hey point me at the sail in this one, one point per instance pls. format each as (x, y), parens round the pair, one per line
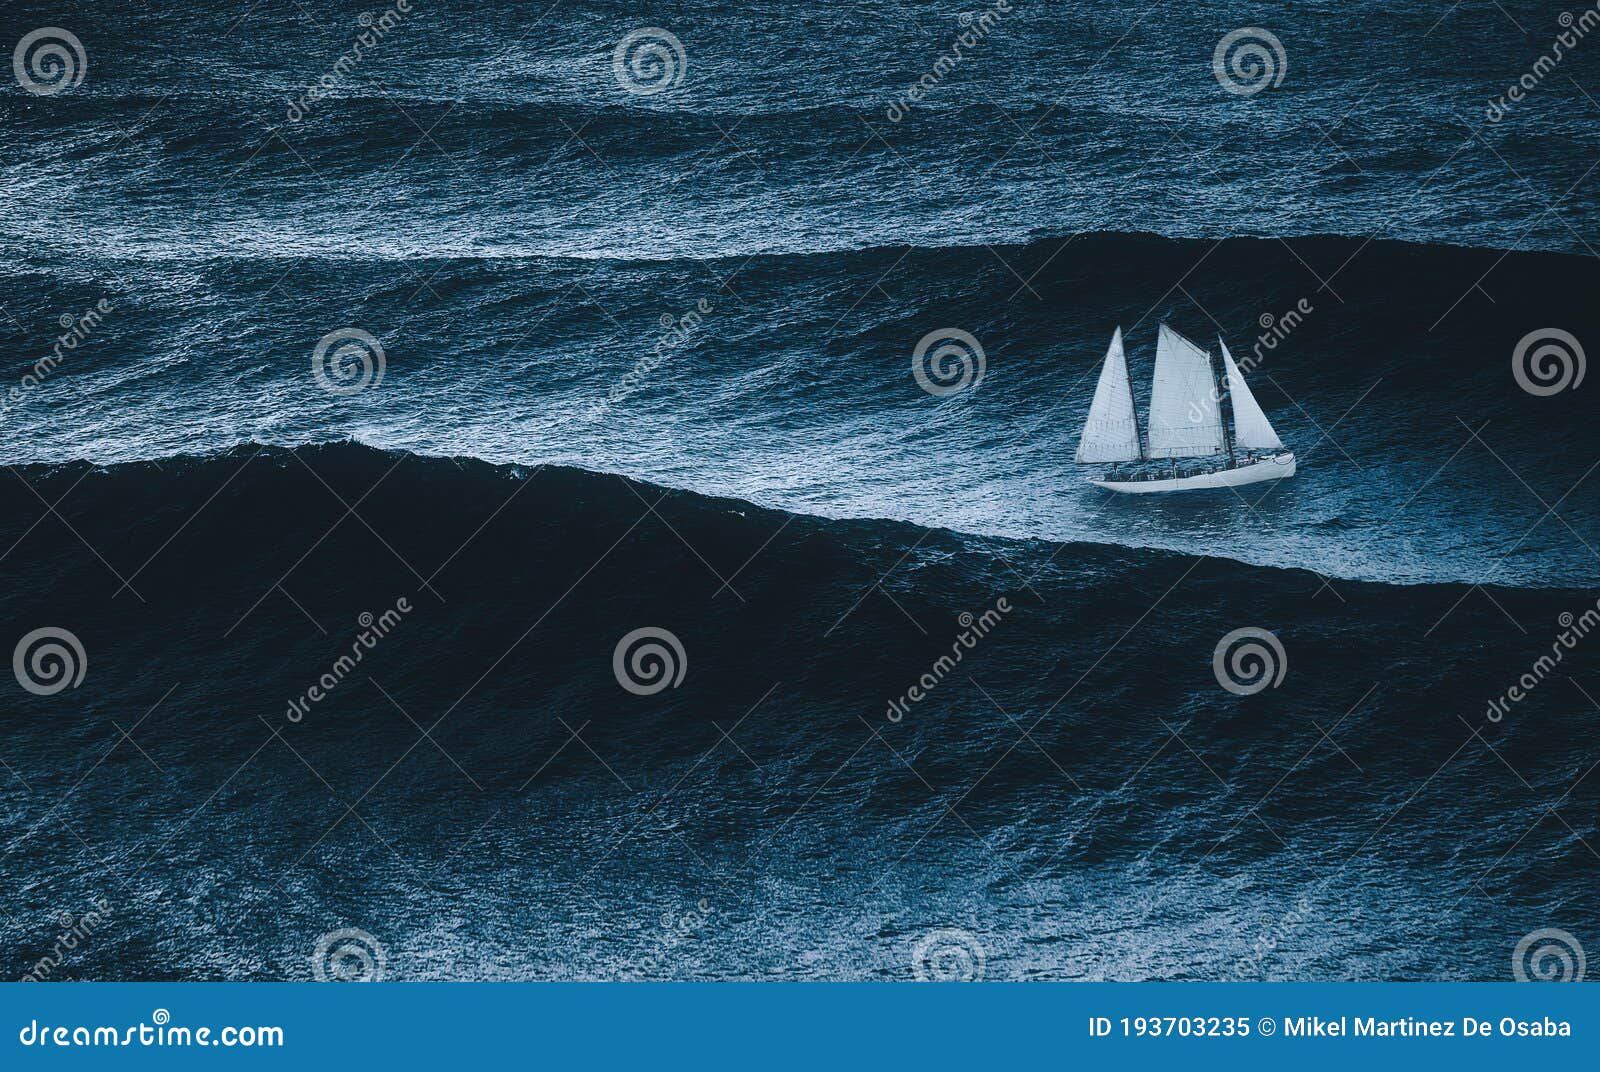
(1251, 429)
(1111, 432)
(1185, 414)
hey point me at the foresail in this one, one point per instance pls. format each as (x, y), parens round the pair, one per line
(1111, 432)
(1185, 414)
(1251, 429)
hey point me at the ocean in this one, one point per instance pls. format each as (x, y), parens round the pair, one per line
(371, 404)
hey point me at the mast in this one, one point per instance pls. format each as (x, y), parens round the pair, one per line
(1226, 418)
(1138, 438)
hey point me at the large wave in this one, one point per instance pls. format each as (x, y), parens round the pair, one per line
(788, 382)
(216, 603)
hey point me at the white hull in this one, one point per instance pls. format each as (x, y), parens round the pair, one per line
(1276, 467)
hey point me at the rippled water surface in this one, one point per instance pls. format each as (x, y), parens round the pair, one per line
(645, 361)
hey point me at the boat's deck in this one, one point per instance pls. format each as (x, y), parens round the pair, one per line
(1166, 470)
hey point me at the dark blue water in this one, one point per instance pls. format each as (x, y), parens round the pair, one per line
(647, 361)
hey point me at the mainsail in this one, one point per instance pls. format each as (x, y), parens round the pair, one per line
(1185, 414)
(1111, 433)
(1251, 429)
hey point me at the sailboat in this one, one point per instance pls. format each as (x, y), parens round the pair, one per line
(1186, 422)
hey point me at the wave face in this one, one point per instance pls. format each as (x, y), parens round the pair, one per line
(1421, 458)
(554, 824)
(499, 129)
